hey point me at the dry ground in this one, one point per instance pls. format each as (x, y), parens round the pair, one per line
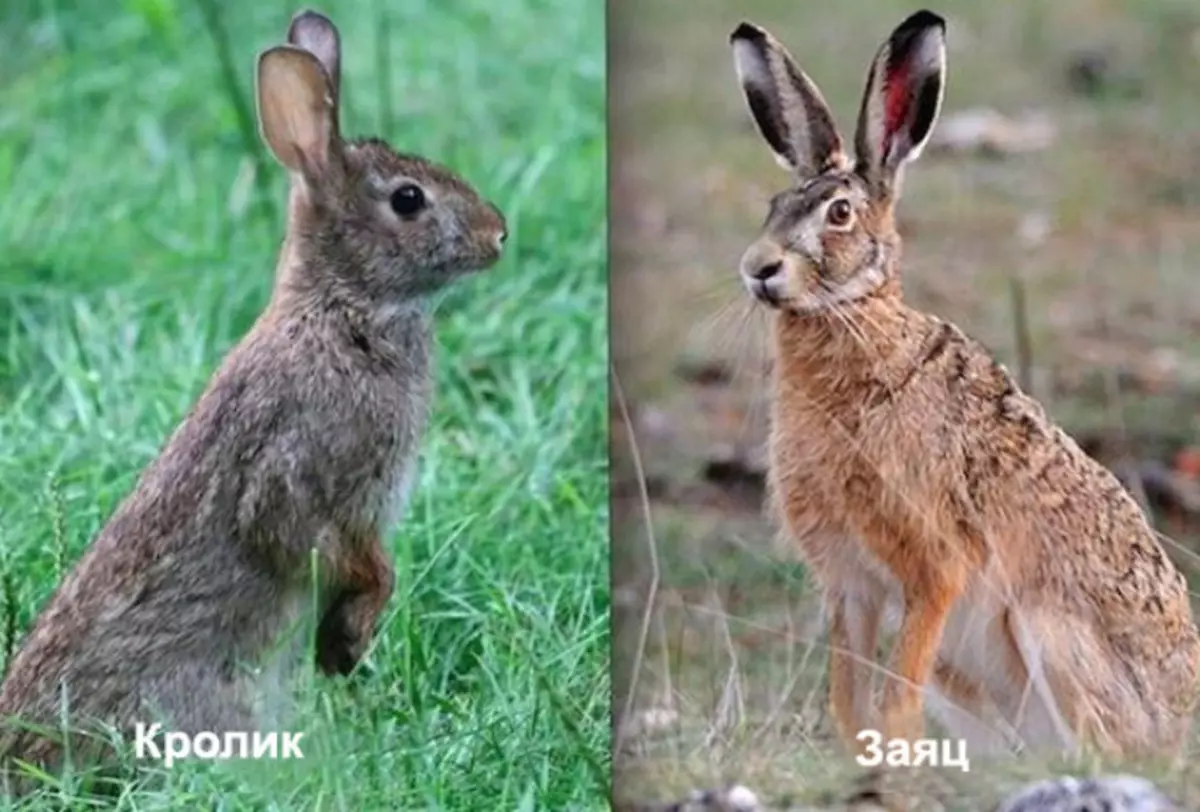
(723, 680)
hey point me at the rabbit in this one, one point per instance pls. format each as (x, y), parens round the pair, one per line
(304, 440)
(920, 482)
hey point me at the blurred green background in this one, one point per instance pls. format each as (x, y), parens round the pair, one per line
(139, 223)
(1055, 217)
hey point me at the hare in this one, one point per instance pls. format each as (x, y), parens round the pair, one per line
(920, 481)
(302, 447)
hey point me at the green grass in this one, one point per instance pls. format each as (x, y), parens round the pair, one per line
(138, 234)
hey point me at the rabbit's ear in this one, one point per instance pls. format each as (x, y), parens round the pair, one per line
(297, 111)
(317, 34)
(786, 105)
(902, 99)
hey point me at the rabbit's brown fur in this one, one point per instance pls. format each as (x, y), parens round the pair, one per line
(304, 439)
(918, 478)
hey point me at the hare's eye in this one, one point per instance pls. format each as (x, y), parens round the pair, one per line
(408, 199)
(839, 212)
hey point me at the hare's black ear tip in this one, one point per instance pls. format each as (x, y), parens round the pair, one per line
(923, 20)
(748, 32)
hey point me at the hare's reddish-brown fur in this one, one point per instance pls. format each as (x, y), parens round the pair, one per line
(304, 440)
(920, 481)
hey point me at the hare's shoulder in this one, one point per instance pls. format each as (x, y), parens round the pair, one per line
(1008, 444)
(1019, 461)
(951, 379)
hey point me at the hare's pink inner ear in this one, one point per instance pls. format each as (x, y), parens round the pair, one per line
(788, 108)
(902, 98)
(317, 34)
(296, 110)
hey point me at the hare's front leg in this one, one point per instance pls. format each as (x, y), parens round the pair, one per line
(364, 579)
(853, 638)
(927, 604)
(965, 693)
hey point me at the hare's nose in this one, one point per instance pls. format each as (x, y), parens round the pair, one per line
(764, 272)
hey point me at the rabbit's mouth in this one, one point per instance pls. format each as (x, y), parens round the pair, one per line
(470, 267)
(478, 254)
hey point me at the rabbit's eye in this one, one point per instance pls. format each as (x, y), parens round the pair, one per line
(408, 199)
(839, 212)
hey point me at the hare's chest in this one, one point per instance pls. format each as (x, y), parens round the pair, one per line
(809, 456)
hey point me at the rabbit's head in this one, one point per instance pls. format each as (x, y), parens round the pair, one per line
(362, 218)
(830, 239)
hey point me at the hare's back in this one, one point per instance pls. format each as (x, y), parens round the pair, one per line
(1059, 522)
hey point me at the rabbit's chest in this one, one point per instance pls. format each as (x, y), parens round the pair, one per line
(394, 470)
(385, 458)
(394, 492)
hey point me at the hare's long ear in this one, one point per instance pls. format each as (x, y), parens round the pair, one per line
(297, 111)
(786, 105)
(901, 101)
(317, 34)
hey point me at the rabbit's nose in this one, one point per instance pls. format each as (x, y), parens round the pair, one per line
(501, 226)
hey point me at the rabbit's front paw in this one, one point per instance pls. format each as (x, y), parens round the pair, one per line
(349, 624)
(340, 643)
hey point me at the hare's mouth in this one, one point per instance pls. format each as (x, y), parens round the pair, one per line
(766, 283)
(766, 293)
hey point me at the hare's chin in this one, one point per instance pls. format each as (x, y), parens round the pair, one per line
(859, 287)
(807, 302)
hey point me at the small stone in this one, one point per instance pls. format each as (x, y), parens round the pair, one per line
(742, 799)
(1120, 793)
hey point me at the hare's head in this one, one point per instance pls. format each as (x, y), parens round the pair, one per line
(362, 216)
(830, 239)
